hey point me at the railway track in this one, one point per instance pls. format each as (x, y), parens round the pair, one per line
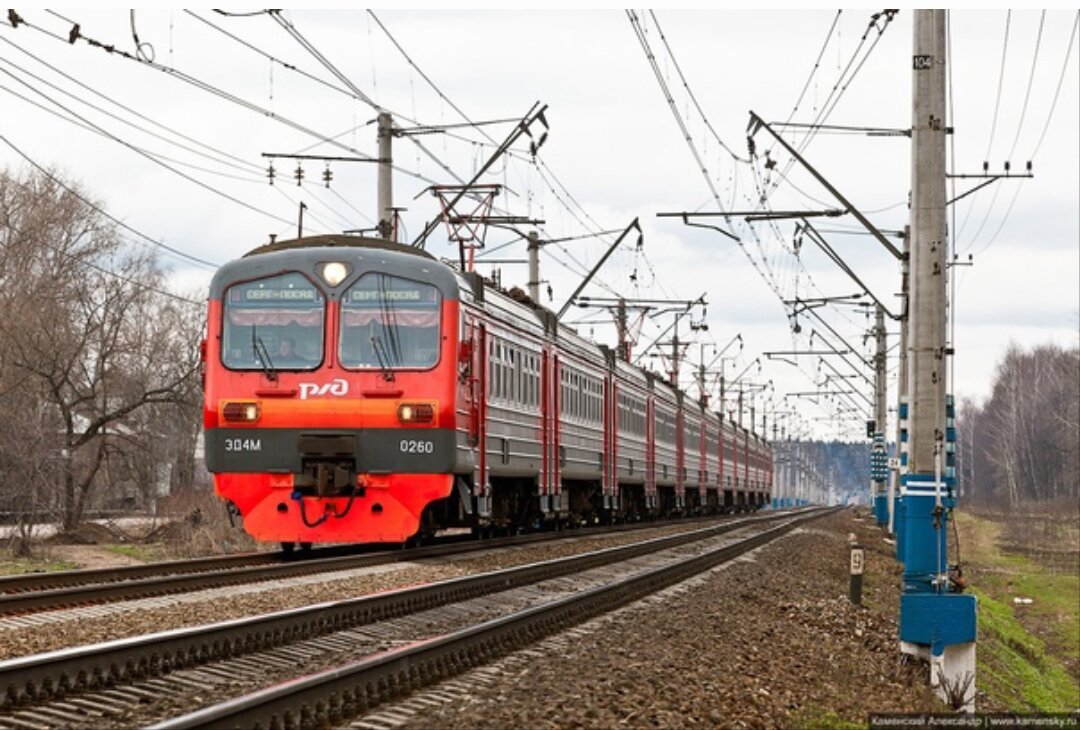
(141, 680)
(62, 589)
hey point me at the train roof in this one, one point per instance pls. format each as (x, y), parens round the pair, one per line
(304, 254)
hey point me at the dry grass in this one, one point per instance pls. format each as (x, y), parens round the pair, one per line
(197, 524)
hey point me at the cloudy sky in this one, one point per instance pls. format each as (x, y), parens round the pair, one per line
(169, 133)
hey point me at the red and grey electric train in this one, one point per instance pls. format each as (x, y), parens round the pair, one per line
(359, 390)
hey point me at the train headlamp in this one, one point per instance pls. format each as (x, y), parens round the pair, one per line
(416, 413)
(240, 411)
(334, 272)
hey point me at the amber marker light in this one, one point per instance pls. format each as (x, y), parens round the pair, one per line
(241, 411)
(334, 272)
(416, 413)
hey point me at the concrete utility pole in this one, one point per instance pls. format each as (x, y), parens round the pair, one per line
(385, 180)
(878, 468)
(675, 355)
(534, 266)
(934, 624)
(901, 385)
(622, 329)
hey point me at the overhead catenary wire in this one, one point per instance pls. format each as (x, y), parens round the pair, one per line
(142, 236)
(97, 209)
(212, 89)
(226, 157)
(293, 31)
(227, 96)
(100, 133)
(690, 93)
(1000, 84)
(1030, 84)
(149, 156)
(991, 208)
(536, 161)
(639, 32)
(1057, 90)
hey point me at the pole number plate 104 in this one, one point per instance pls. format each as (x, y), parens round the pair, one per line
(415, 446)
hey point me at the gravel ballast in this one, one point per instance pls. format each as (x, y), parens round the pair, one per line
(95, 624)
(770, 640)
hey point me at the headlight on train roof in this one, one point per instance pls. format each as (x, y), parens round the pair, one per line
(241, 411)
(416, 413)
(334, 272)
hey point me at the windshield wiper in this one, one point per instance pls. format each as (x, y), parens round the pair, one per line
(384, 359)
(263, 355)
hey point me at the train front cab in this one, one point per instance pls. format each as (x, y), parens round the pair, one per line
(329, 399)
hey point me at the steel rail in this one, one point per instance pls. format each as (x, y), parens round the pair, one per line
(97, 666)
(331, 696)
(88, 576)
(81, 587)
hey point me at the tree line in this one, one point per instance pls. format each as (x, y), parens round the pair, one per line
(99, 371)
(1023, 443)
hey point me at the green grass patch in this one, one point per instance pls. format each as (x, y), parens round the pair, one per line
(138, 552)
(1014, 667)
(1028, 654)
(30, 565)
(821, 720)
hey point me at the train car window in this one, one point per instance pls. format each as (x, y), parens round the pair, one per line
(276, 322)
(515, 375)
(389, 322)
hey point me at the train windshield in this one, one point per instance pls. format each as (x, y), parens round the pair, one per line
(273, 324)
(389, 322)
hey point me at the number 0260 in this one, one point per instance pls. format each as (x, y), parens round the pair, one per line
(413, 446)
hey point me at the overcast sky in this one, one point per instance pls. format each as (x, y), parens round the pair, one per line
(181, 160)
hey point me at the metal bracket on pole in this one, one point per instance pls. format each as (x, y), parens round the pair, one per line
(634, 224)
(757, 123)
(534, 115)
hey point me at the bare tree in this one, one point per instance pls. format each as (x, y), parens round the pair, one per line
(87, 327)
(1025, 441)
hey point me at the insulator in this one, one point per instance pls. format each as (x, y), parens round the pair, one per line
(270, 173)
(299, 175)
(327, 176)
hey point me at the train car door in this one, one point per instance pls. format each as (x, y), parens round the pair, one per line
(547, 431)
(557, 452)
(680, 451)
(481, 485)
(611, 442)
(650, 449)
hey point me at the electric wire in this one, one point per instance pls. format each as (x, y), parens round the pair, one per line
(1019, 128)
(122, 120)
(1030, 84)
(690, 93)
(90, 264)
(1001, 84)
(142, 236)
(228, 159)
(293, 31)
(88, 128)
(207, 87)
(1061, 80)
(225, 95)
(816, 66)
(478, 127)
(639, 32)
(152, 158)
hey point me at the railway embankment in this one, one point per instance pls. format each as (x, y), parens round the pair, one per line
(770, 640)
